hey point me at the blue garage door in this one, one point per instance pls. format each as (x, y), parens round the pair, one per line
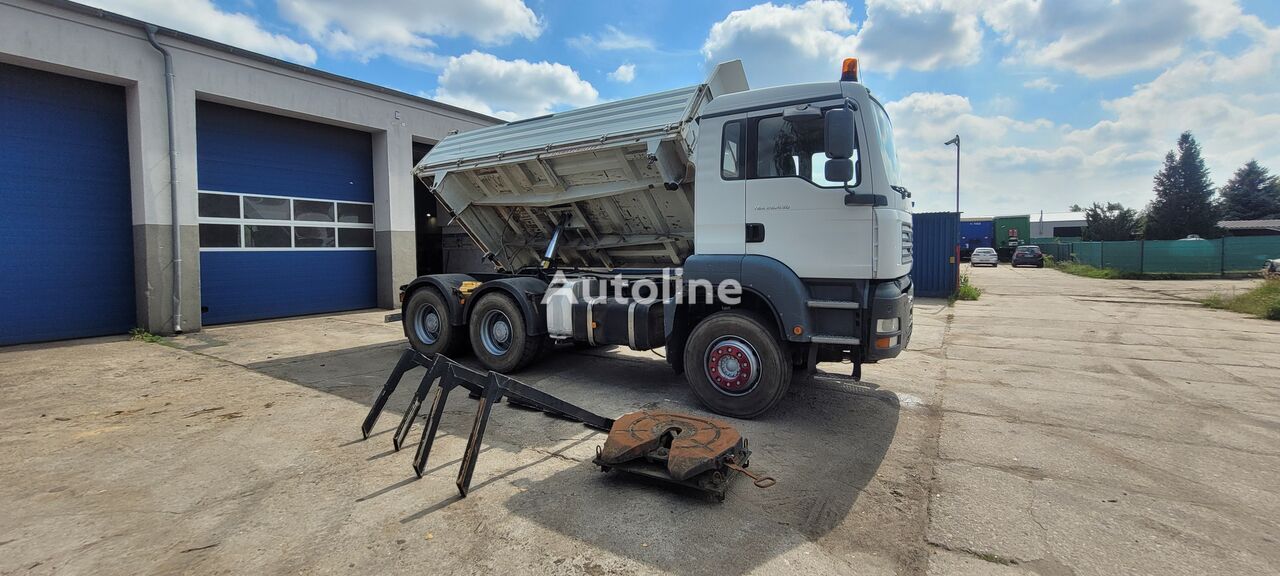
(286, 216)
(66, 240)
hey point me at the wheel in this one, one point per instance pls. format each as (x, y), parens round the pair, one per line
(1040, 265)
(428, 324)
(498, 336)
(735, 364)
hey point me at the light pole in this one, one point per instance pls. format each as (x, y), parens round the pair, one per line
(956, 141)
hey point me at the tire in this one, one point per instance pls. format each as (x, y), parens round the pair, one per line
(446, 338)
(1040, 265)
(498, 336)
(750, 337)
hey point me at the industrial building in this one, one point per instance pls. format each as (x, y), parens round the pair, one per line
(290, 187)
(1058, 225)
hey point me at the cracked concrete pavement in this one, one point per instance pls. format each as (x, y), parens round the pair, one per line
(1059, 425)
(1105, 427)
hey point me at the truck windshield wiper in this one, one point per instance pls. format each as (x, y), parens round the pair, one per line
(901, 190)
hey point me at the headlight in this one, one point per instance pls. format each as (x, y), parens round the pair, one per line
(884, 325)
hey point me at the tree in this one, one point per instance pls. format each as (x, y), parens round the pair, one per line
(1076, 208)
(1110, 222)
(1253, 193)
(1184, 196)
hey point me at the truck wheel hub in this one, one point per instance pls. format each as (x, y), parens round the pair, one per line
(428, 324)
(495, 332)
(733, 366)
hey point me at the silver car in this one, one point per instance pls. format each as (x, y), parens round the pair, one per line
(984, 257)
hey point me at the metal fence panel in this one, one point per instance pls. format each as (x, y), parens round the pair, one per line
(1249, 253)
(1088, 253)
(1183, 257)
(1060, 252)
(1125, 256)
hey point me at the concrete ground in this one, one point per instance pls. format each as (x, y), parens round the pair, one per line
(1059, 425)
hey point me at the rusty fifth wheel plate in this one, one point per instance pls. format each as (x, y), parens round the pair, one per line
(690, 445)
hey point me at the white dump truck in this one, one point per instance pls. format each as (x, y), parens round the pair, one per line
(604, 223)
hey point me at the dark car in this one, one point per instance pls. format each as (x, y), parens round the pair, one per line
(1028, 256)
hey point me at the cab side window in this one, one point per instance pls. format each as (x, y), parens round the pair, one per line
(796, 148)
(731, 160)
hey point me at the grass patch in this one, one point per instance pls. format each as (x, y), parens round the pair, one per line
(1093, 272)
(1088, 271)
(966, 290)
(141, 335)
(1263, 301)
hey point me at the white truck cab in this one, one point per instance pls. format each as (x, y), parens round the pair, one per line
(791, 193)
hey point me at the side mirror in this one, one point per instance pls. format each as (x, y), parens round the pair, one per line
(839, 134)
(839, 170)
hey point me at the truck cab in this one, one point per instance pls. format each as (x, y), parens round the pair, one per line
(792, 194)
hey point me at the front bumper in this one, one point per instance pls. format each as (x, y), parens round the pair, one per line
(892, 300)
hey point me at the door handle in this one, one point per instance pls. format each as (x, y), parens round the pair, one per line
(755, 232)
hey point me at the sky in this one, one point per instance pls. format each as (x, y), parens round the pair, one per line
(1057, 102)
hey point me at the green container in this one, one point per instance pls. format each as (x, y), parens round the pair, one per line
(1012, 231)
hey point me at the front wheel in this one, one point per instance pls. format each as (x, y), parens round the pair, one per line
(736, 365)
(498, 335)
(429, 326)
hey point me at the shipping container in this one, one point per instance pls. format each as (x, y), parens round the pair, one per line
(1011, 232)
(936, 267)
(976, 234)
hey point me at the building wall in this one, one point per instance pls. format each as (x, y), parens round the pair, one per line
(68, 39)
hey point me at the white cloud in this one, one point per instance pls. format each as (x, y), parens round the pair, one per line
(1099, 38)
(788, 43)
(784, 44)
(1042, 83)
(919, 34)
(612, 39)
(511, 89)
(624, 74)
(202, 18)
(1231, 104)
(403, 29)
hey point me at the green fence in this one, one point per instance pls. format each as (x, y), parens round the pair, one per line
(1225, 255)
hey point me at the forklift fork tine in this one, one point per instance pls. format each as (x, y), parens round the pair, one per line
(437, 369)
(407, 362)
(493, 389)
(429, 428)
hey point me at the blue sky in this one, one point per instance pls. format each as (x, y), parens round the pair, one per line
(1057, 101)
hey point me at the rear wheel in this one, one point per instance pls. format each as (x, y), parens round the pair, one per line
(498, 335)
(429, 326)
(735, 364)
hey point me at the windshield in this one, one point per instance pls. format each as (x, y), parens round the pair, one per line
(888, 150)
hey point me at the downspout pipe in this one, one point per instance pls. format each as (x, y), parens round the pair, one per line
(173, 179)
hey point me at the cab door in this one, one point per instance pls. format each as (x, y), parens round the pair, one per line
(720, 182)
(793, 214)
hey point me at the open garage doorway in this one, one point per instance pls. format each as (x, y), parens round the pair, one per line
(428, 221)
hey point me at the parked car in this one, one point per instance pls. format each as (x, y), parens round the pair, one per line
(1028, 256)
(984, 257)
(1272, 269)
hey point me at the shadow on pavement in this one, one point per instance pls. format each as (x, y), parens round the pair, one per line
(823, 444)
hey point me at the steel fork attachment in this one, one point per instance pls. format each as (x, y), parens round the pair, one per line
(490, 387)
